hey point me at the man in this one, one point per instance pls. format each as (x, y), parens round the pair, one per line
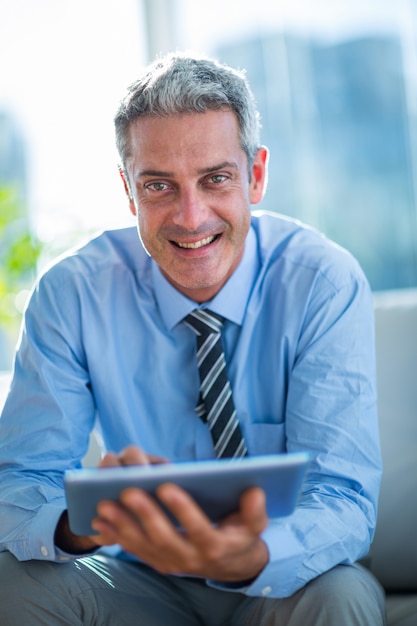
(104, 341)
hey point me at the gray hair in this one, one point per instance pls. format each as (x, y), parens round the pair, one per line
(178, 83)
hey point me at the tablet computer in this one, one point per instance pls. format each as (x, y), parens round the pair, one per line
(216, 485)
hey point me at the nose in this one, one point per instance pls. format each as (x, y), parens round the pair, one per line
(190, 211)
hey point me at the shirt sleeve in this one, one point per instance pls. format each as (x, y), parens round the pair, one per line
(330, 412)
(46, 421)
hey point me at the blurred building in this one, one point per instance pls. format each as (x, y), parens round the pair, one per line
(12, 154)
(336, 118)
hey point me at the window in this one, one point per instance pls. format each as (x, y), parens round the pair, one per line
(336, 86)
(335, 82)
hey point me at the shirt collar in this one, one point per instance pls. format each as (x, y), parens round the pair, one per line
(230, 302)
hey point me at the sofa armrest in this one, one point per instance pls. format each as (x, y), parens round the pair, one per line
(393, 555)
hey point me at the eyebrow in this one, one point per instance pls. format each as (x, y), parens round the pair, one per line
(220, 166)
(205, 170)
(158, 173)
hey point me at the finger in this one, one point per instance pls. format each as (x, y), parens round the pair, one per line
(253, 509)
(156, 460)
(153, 519)
(132, 455)
(116, 524)
(192, 519)
(162, 544)
(106, 534)
(109, 460)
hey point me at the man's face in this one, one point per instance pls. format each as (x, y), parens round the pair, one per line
(191, 193)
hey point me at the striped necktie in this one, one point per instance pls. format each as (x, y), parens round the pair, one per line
(216, 403)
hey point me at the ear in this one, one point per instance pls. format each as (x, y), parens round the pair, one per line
(127, 190)
(259, 175)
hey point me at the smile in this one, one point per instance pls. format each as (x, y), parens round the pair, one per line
(196, 244)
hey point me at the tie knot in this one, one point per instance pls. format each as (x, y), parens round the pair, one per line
(204, 322)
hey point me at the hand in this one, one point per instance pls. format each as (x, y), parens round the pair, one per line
(230, 552)
(130, 456)
(75, 544)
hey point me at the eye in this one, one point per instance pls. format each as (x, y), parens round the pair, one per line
(217, 178)
(156, 186)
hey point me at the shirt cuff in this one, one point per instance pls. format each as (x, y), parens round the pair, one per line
(42, 531)
(279, 578)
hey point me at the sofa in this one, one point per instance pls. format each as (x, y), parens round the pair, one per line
(393, 555)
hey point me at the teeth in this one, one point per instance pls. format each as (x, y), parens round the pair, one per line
(197, 244)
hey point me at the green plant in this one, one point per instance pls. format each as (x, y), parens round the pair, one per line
(19, 253)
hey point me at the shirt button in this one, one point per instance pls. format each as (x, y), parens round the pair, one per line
(44, 551)
(266, 591)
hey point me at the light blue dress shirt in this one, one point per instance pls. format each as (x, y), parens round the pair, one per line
(103, 344)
